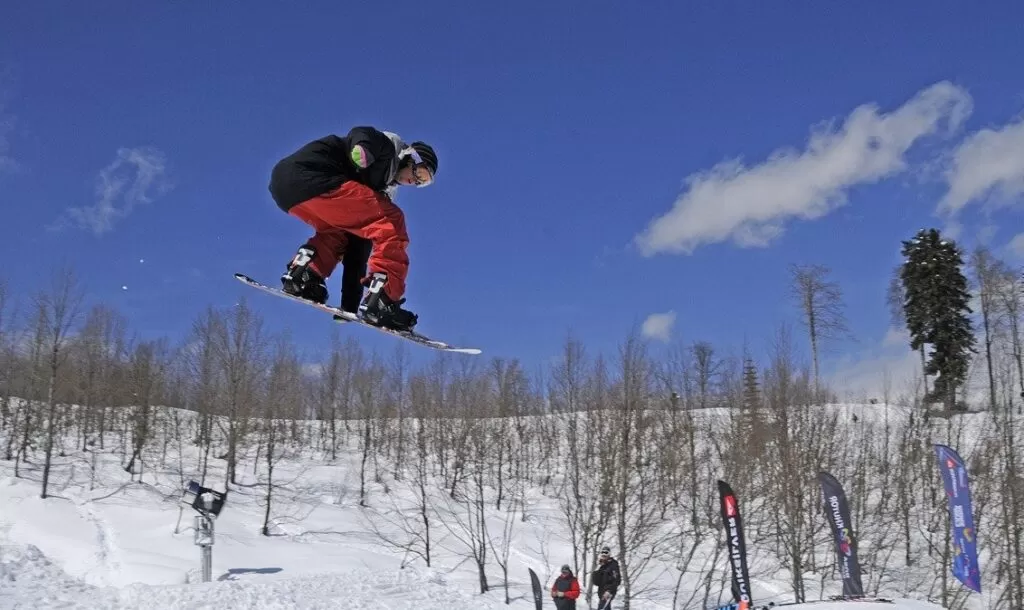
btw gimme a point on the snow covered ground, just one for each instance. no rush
(28, 579)
(900, 604)
(103, 540)
(116, 547)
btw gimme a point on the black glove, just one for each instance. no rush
(301, 280)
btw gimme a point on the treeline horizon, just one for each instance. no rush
(628, 448)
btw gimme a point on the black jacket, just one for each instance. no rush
(325, 164)
(607, 577)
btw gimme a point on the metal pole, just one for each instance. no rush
(207, 552)
(204, 540)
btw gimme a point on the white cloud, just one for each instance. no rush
(135, 177)
(867, 373)
(1016, 245)
(659, 326)
(313, 369)
(989, 162)
(891, 370)
(750, 205)
(953, 229)
(987, 233)
(896, 337)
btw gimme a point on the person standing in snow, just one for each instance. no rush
(343, 187)
(606, 578)
(565, 590)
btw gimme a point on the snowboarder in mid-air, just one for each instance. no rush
(343, 187)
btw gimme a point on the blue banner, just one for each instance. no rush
(965, 537)
(837, 510)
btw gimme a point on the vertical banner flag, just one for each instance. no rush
(965, 537)
(736, 544)
(837, 511)
(538, 596)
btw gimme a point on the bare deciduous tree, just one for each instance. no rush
(501, 545)
(821, 302)
(632, 494)
(148, 367)
(463, 455)
(284, 388)
(987, 271)
(100, 349)
(335, 389)
(58, 312)
(9, 413)
(239, 348)
(799, 446)
(206, 383)
(465, 512)
(1011, 297)
(579, 396)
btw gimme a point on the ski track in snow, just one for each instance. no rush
(107, 559)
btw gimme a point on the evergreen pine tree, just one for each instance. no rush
(752, 425)
(751, 391)
(936, 309)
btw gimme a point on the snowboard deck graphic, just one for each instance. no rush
(343, 316)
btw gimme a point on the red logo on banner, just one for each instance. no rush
(730, 506)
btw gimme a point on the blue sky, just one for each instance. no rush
(564, 130)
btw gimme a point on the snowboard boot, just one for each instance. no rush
(379, 310)
(301, 280)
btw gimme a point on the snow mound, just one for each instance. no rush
(29, 580)
(896, 604)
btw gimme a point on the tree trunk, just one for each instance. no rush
(362, 464)
(51, 414)
(270, 481)
(924, 370)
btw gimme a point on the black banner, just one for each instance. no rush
(736, 544)
(837, 511)
(538, 594)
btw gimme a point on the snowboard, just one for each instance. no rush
(343, 316)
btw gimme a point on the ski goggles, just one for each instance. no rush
(421, 174)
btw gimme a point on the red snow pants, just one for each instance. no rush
(356, 208)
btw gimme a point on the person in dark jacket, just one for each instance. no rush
(344, 187)
(606, 578)
(565, 590)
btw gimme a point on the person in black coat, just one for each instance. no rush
(344, 187)
(606, 578)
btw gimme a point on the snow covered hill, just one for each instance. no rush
(898, 604)
(106, 540)
(115, 547)
(29, 580)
